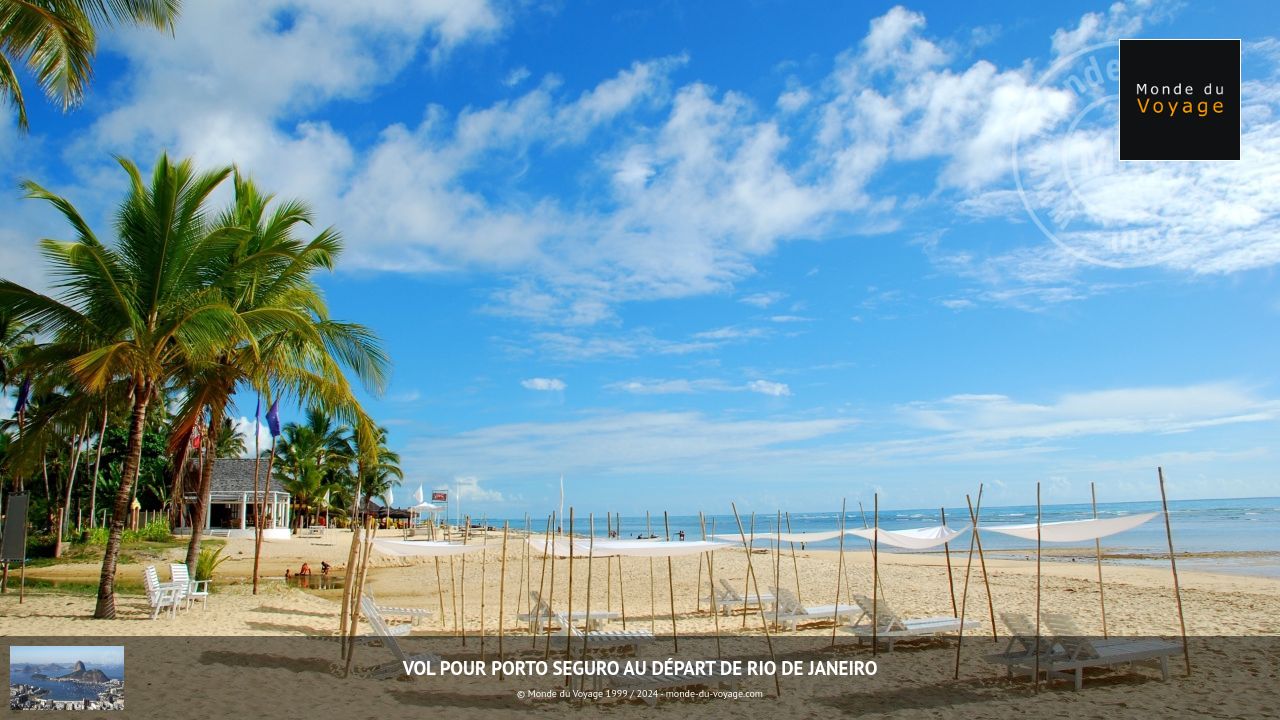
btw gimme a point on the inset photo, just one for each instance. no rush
(66, 677)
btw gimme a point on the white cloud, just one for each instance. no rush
(762, 299)
(516, 76)
(766, 387)
(543, 384)
(1122, 19)
(467, 487)
(244, 428)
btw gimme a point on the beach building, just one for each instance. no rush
(231, 504)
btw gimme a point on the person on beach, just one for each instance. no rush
(324, 568)
(287, 575)
(681, 536)
(304, 570)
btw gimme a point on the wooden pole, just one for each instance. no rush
(839, 567)
(777, 563)
(875, 574)
(551, 587)
(591, 554)
(608, 564)
(711, 582)
(462, 580)
(484, 565)
(946, 549)
(764, 624)
(1038, 521)
(440, 591)
(1097, 549)
(453, 595)
(1173, 564)
(653, 603)
(502, 588)
(964, 595)
(568, 632)
(795, 564)
(975, 515)
(671, 587)
(751, 576)
(542, 581)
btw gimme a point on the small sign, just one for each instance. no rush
(438, 496)
(13, 546)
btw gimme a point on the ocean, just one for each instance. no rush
(1238, 535)
(64, 690)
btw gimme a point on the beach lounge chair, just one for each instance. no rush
(388, 636)
(542, 615)
(191, 590)
(414, 614)
(890, 627)
(1021, 648)
(600, 639)
(1080, 652)
(160, 596)
(729, 599)
(790, 613)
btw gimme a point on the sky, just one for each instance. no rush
(775, 253)
(88, 654)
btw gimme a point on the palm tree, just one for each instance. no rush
(313, 460)
(137, 310)
(379, 471)
(295, 349)
(230, 442)
(57, 39)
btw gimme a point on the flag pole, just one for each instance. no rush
(1173, 564)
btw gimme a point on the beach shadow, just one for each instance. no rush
(252, 660)
(287, 629)
(289, 611)
(931, 696)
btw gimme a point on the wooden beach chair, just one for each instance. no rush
(387, 635)
(160, 596)
(1020, 650)
(1080, 652)
(891, 627)
(600, 639)
(542, 615)
(192, 590)
(729, 599)
(790, 613)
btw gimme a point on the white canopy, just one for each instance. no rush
(1073, 530)
(800, 537)
(429, 548)
(914, 538)
(427, 507)
(628, 548)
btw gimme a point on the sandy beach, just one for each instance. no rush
(1231, 618)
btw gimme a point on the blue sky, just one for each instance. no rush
(89, 654)
(772, 252)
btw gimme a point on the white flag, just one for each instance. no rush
(390, 497)
(417, 496)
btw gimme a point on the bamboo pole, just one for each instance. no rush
(551, 592)
(946, 549)
(484, 564)
(764, 624)
(964, 595)
(462, 580)
(875, 575)
(1038, 521)
(671, 587)
(608, 563)
(975, 515)
(1173, 564)
(1097, 549)
(777, 564)
(751, 576)
(502, 588)
(711, 582)
(591, 553)
(440, 591)
(542, 580)
(795, 564)
(453, 595)
(879, 586)
(568, 632)
(653, 603)
(844, 506)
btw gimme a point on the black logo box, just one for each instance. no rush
(1158, 78)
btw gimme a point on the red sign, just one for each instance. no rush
(439, 497)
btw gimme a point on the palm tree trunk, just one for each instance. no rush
(106, 608)
(257, 541)
(71, 482)
(97, 465)
(201, 509)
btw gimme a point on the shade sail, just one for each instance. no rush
(419, 548)
(427, 507)
(1073, 530)
(627, 548)
(801, 537)
(912, 539)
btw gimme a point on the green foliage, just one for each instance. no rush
(155, 531)
(209, 560)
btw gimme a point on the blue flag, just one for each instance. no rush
(273, 418)
(24, 394)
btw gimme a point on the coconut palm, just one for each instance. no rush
(314, 459)
(137, 310)
(295, 350)
(57, 39)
